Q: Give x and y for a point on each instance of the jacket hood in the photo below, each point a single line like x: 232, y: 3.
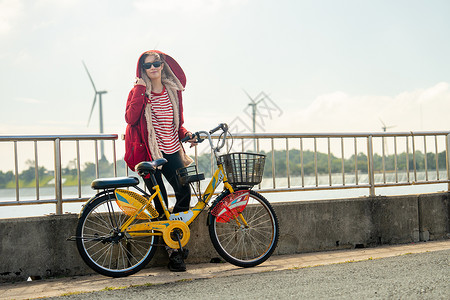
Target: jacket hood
x: 172, y: 71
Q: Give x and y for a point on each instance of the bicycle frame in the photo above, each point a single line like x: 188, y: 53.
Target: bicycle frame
x: 187, y: 217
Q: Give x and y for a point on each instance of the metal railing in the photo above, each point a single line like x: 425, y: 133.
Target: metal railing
x: 375, y: 177
x: 350, y: 146
x: 56, y: 140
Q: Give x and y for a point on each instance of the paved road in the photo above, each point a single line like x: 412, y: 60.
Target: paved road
x: 409, y: 276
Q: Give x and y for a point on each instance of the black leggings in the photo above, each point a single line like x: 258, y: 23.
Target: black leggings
x: 182, y: 192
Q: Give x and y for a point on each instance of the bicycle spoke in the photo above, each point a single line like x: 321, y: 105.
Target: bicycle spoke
x: 99, y: 225
x: 227, y: 241
x: 107, y: 255
x: 258, y: 242
x: 104, y: 248
x: 247, y: 245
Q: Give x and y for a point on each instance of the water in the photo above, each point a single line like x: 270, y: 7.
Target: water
x: 323, y: 180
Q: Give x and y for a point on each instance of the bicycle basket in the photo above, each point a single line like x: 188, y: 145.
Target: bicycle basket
x: 243, y: 169
x: 189, y: 174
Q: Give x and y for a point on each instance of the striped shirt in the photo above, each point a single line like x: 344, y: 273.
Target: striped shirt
x: 162, y: 119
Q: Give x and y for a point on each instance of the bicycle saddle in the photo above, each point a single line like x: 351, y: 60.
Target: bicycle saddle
x: 149, y: 166
x: 116, y: 182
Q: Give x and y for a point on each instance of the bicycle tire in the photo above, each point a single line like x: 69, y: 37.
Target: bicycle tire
x: 106, y: 250
x: 246, y: 247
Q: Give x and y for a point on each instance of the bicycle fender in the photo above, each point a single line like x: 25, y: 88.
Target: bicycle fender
x: 231, y: 206
x: 93, y: 198
x: 218, y: 200
x: 215, y: 202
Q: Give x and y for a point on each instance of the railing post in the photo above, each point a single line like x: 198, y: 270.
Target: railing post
x: 356, y: 160
x: 114, y: 157
x: 58, y: 177
x: 36, y: 169
x: 288, y: 172
x: 273, y: 164
x: 447, y: 150
x: 16, y: 171
x: 370, y: 171
x: 414, y: 156
x: 315, y: 162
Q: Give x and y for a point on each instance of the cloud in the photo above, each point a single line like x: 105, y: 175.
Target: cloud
x: 183, y: 6
x: 421, y: 109
x: 47, y: 128
x: 434, y: 93
x: 29, y: 100
x: 10, y: 12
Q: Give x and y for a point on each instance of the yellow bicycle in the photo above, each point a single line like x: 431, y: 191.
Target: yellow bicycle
x: 118, y: 229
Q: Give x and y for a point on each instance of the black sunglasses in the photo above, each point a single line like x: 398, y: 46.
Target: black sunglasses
x: 156, y: 64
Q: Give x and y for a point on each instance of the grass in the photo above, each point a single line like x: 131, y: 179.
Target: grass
x: 72, y: 294
x: 43, y: 181
x: 110, y: 288
x: 185, y: 280
x: 69, y: 180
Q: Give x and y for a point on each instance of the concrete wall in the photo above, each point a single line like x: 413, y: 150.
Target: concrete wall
x: 37, y: 247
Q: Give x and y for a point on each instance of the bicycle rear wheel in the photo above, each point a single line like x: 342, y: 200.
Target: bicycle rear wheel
x: 104, y: 247
x: 246, y: 246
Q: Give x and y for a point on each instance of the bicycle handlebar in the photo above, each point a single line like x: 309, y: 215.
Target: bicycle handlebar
x: 222, y: 126
x: 187, y: 138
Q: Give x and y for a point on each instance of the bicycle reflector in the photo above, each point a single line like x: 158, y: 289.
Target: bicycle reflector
x: 231, y: 206
x: 130, y: 202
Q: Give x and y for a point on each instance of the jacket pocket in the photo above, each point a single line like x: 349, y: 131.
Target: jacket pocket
x: 134, y: 154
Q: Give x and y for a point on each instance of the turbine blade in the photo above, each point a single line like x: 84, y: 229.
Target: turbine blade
x: 259, y: 95
x: 248, y: 96
x: 92, y: 109
x: 92, y: 81
x: 274, y: 104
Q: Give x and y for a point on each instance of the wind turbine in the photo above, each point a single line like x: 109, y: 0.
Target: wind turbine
x: 99, y: 93
x: 384, y: 127
x: 267, y: 106
x: 253, y: 105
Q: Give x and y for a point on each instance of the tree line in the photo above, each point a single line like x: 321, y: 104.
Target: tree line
x: 87, y: 173
x: 334, y: 164
x: 325, y: 163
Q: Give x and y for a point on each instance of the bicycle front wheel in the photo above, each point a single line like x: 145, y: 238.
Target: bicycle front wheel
x: 246, y: 246
x: 105, y: 248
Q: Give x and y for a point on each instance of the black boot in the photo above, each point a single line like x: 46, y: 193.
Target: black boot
x: 176, y: 262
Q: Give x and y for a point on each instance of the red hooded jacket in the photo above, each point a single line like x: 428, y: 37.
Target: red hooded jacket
x: 136, y: 135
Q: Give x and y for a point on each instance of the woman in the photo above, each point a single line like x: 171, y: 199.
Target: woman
x: 154, y: 114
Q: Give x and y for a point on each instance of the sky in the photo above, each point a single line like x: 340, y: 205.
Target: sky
x: 328, y: 66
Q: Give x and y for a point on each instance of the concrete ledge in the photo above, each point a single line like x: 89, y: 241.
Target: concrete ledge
x: 37, y: 247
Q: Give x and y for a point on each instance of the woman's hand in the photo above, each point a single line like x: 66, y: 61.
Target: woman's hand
x: 139, y: 81
x: 192, y: 139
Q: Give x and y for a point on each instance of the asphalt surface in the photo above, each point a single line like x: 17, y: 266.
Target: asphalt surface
x: 410, y: 276
x: 412, y: 271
